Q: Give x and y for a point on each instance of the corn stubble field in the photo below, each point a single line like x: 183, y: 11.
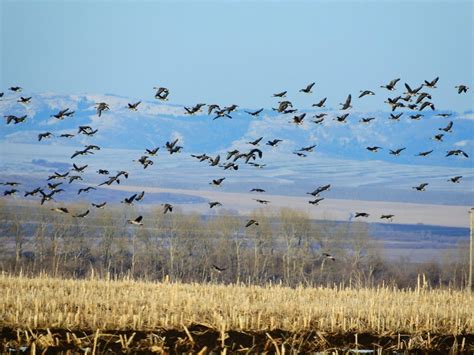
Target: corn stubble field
x: 127, y: 315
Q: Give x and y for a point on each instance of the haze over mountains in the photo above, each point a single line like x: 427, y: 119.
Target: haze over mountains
x: 340, y: 157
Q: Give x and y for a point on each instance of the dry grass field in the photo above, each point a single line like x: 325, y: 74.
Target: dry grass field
x: 166, y: 317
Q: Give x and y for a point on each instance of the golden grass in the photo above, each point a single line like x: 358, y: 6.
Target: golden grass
x: 45, y: 302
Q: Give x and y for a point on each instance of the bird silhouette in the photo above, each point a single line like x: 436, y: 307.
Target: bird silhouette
x: 217, y: 182
x: 307, y: 89
x: 167, y: 208
x: 316, y: 201
x: 321, y: 103
x: 396, y: 152
x: 420, y: 187
x: 137, y: 221
x: 134, y: 106
x: 255, y: 142
x: 424, y: 154
x: 254, y: 113
x: 457, y: 152
x: 214, y: 204
x: 462, y: 88
x: 99, y: 205
x: 391, y: 85
x: 455, y: 179
x: 361, y: 214
x: 431, y: 84
x: 280, y: 94
x: 251, y: 222
x: 60, y: 210
x: 365, y: 93
x: 347, y: 104
x: 87, y: 189
x: 320, y: 189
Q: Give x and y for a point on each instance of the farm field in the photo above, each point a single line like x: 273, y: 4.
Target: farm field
x: 127, y: 315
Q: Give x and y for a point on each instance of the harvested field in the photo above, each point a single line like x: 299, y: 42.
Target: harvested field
x: 173, y: 317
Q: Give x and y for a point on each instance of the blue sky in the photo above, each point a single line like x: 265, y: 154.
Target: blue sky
x: 237, y: 52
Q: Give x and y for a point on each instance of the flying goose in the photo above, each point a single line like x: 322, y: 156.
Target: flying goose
x: 152, y: 152
x: 101, y: 107
x: 230, y: 165
x: 438, y: 137
x: 137, y: 221
x: 24, y: 100
x: 387, y: 216
x: 396, y: 152
x: 99, y: 205
x: 129, y: 200
x: 215, y: 161
x: 11, y: 183
x: 221, y: 113
x: 367, y: 119
x: 447, y: 128
x: 79, y: 169
x: 15, y: 88
x: 46, y: 197
x: 255, y: 142
x: 257, y: 190
x: 431, y: 84
x: 280, y: 94
x: 462, y: 88
x: 457, y: 152
x: 341, y: 118
x: 361, y: 214
x: 230, y: 108
x: 427, y: 104
x: 328, y: 256
x: 319, y: 121
x: 316, y: 201
x: 10, y: 192
x: 133, y: 107
x: 33, y: 192
x: 44, y: 135
x: 321, y: 103
x: 300, y: 154
x: 60, y: 210
x: 283, y: 105
x: 274, y: 142
x: 320, y: 189
x: 395, y: 117
x: 217, y: 182
x: 307, y: 89
x: 58, y: 176
x: 161, y: 93
x: 74, y: 177
x: 263, y: 202
x: 298, y: 119
x: 81, y: 152
x: 424, y: 154
x: 15, y: 119
x: 53, y: 186
x: 416, y: 117
x: 103, y: 172
x: 87, y: 189
x: 422, y: 96
x: 251, y: 222
x: 455, y: 179
x: 144, y: 161
x: 140, y: 196
x: 218, y: 269
x: 420, y: 187
x: 67, y: 135
x: 365, y: 93
x: 110, y: 181
x: 347, y: 104
x: 61, y: 114
x: 211, y: 108
x: 201, y: 157
x: 410, y: 91
x: 194, y: 109
x: 444, y: 115
x: 309, y: 148
x: 374, y: 149
x: 214, y: 204
x: 254, y: 113
x: 167, y: 208
x: 391, y: 85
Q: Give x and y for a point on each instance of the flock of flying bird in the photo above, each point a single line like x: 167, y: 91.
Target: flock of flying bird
x: 415, y: 100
